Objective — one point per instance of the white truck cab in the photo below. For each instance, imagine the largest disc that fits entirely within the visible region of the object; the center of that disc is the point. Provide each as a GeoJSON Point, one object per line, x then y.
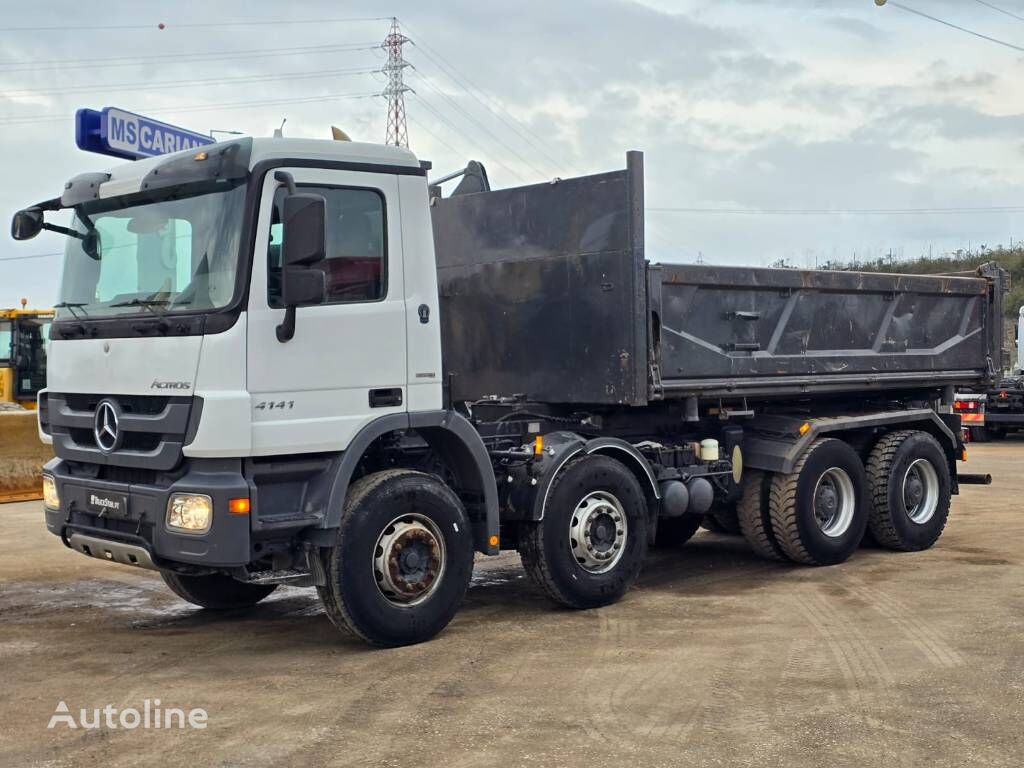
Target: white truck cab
{"type": "Point", "coordinates": [176, 403]}
{"type": "Point", "coordinates": [360, 354]}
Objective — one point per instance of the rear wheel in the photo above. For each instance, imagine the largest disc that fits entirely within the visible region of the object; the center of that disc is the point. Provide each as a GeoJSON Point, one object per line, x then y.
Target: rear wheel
{"type": "Point", "coordinates": [755, 516]}
{"type": "Point", "coordinates": [403, 559]}
{"type": "Point", "coordinates": [216, 592]}
{"type": "Point", "coordinates": [818, 512]}
{"type": "Point", "coordinates": [588, 549]}
{"type": "Point", "coordinates": [909, 480]}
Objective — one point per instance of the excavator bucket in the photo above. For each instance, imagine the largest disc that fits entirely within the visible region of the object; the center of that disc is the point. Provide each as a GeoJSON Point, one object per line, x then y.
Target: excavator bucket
{"type": "Point", "coordinates": [22, 455]}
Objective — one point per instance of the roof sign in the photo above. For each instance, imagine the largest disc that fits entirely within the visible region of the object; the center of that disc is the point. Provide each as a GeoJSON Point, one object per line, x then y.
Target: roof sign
{"type": "Point", "coordinates": [113, 131]}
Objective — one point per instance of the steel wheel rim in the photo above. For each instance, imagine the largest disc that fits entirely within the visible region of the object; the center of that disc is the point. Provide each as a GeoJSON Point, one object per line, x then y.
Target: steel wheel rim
{"type": "Point", "coordinates": [921, 491]}
{"type": "Point", "coordinates": [598, 531]}
{"type": "Point", "coordinates": [409, 560]}
{"type": "Point", "coordinates": [835, 502]}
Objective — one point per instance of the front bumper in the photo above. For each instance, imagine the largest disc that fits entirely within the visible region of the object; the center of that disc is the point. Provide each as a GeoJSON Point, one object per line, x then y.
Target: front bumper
{"type": "Point", "coordinates": [997, 416]}
{"type": "Point", "coordinates": [225, 545]}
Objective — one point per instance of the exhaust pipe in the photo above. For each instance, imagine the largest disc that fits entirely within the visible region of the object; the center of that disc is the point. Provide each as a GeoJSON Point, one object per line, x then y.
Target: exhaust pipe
{"type": "Point", "coordinates": [974, 479]}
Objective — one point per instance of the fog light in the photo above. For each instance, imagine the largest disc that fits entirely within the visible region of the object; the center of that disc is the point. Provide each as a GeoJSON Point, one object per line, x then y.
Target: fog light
{"type": "Point", "coordinates": [190, 512]}
{"type": "Point", "coordinates": [51, 499]}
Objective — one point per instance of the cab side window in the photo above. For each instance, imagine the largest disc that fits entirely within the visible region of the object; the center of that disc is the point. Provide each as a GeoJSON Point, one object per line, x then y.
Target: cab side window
{"type": "Point", "coordinates": [6, 341]}
{"type": "Point", "coordinates": [356, 257]}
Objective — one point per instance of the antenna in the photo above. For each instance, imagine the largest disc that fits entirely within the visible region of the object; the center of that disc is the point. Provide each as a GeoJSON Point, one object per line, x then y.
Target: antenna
{"type": "Point", "coordinates": [397, 133]}
{"type": "Point", "coordinates": [279, 132]}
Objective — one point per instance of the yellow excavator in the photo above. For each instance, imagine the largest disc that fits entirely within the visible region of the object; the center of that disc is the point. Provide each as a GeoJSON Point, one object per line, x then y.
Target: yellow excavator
{"type": "Point", "coordinates": [24, 339]}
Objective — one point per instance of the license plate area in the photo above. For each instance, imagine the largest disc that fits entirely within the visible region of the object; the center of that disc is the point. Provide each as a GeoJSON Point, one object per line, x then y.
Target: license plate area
{"type": "Point", "coordinates": [113, 506]}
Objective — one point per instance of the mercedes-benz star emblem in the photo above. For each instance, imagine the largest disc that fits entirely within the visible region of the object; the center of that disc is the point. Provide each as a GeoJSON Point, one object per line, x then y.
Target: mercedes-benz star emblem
{"type": "Point", "coordinates": [105, 428]}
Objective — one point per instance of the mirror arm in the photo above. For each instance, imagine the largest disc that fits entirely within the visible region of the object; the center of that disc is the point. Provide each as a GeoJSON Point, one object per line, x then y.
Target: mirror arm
{"type": "Point", "coordinates": [287, 179]}
{"type": "Point", "coordinates": [286, 330]}
{"type": "Point", "coordinates": [62, 230]}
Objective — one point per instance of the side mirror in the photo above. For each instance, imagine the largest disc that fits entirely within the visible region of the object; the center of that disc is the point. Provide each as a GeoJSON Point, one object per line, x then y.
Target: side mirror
{"type": "Point", "coordinates": [27, 224]}
{"type": "Point", "coordinates": [305, 229]}
{"type": "Point", "coordinates": [303, 286]}
{"type": "Point", "coordinates": [304, 225]}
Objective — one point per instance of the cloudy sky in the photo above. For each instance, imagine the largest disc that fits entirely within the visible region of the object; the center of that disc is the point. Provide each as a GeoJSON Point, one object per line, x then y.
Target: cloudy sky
{"type": "Point", "coordinates": [740, 106]}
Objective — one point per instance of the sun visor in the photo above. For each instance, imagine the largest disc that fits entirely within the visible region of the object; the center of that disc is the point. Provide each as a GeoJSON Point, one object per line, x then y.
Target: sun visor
{"type": "Point", "coordinates": [82, 189]}
{"type": "Point", "coordinates": [223, 161]}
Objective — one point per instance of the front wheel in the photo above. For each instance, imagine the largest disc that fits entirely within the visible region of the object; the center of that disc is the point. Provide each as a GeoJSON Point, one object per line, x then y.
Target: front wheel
{"type": "Point", "coordinates": [588, 549]}
{"type": "Point", "coordinates": [402, 560]}
{"type": "Point", "coordinates": [723, 519]}
{"type": "Point", "coordinates": [216, 592]}
{"type": "Point", "coordinates": [676, 531]}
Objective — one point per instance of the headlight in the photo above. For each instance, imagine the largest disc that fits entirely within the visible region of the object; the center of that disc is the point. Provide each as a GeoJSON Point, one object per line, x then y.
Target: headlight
{"type": "Point", "coordinates": [190, 512]}
{"type": "Point", "coordinates": [51, 499]}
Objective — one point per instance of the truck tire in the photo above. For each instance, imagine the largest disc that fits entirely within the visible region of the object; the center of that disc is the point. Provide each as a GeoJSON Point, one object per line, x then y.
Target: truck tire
{"type": "Point", "coordinates": [755, 518]}
{"type": "Point", "coordinates": [979, 434]}
{"type": "Point", "coordinates": [676, 531]}
{"type": "Point", "coordinates": [402, 560]}
{"type": "Point", "coordinates": [216, 592]}
{"type": "Point", "coordinates": [723, 519]}
{"type": "Point", "coordinates": [588, 549]}
{"type": "Point", "coordinates": [819, 511]}
{"type": "Point", "coordinates": [908, 477]}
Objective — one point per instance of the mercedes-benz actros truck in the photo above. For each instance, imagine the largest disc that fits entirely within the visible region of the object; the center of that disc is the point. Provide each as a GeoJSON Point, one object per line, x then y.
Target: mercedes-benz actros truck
{"type": "Point", "coordinates": [282, 361]}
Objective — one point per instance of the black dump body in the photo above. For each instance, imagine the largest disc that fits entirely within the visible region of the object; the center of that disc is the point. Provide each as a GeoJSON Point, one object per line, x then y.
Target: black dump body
{"type": "Point", "coordinates": [545, 293]}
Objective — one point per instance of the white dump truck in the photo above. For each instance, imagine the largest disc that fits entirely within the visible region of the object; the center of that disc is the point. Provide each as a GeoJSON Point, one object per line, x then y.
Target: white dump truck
{"type": "Point", "coordinates": [283, 361]}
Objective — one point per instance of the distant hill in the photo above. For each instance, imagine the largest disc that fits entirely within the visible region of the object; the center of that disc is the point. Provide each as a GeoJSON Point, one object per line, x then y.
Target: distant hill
{"type": "Point", "coordinates": [1011, 259]}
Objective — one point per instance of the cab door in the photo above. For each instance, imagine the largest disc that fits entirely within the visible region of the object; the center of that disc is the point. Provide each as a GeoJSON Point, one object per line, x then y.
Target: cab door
{"type": "Point", "coordinates": [346, 364]}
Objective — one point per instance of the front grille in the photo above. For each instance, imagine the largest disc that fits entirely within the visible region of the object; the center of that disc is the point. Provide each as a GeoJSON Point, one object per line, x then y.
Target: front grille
{"type": "Point", "coordinates": [152, 429]}
{"type": "Point", "coordinates": [133, 441]}
{"type": "Point", "coordinates": [129, 475]}
{"type": "Point", "coordinates": [145, 405]}
{"type": "Point", "coordinates": [89, 520]}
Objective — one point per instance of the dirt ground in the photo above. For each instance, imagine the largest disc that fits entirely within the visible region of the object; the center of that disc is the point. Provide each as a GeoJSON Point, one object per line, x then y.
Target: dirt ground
{"type": "Point", "coordinates": [717, 658]}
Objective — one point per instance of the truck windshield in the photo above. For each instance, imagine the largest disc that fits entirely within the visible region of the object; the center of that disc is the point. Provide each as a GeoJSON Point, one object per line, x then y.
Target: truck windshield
{"type": "Point", "coordinates": [177, 253]}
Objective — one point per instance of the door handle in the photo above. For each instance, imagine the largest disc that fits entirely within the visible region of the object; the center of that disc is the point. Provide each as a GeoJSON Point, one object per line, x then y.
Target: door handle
{"type": "Point", "coordinates": [385, 398]}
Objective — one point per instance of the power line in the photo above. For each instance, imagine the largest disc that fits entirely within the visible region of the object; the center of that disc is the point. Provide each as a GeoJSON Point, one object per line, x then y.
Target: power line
{"type": "Point", "coordinates": [523, 131]}
{"type": "Point", "coordinates": [28, 119]}
{"type": "Point", "coordinates": [1000, 10]}
{"type": "Point", "coordinates": [397, 132]}
{"type": "Point", "coordinates": [950, 24]}
{"type": "Point", "coordinates": [125, 61]}
{"type": "Point", "coordinates": [146, 86]}
{"type": "Point", "coordinates": [841, 211]}
{"type": "Point", "coordinates": [33, 256]}
{"type": "Point", "coordinates": [434, 136]}
{"type": "Point", "coordinates": [458, 108]}
{"type": "Point", "coordinates": [444, 118]}
{"type": "Point", "coordinates": [191, 25]}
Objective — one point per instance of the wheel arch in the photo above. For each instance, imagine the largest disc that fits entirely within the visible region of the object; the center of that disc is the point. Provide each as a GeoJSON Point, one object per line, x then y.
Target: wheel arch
{"type": "Point", "coordinates": [790, 438]}
{"type": "Point", "coordinates": [613, 448]}
{"type": "Point", "coordinates": [455, 440]}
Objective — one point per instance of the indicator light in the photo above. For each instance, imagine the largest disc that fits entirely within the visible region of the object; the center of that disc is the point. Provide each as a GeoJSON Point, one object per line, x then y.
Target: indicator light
{"type": "Point", "coordinates": [239, 506]}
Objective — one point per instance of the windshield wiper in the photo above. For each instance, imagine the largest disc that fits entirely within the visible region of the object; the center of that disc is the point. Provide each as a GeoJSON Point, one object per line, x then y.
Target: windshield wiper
{"type": "Point", "coordinates": [153, 305]}
{"type": "Point", "coordinates": [156, 306]}
{"type": "Point", "coordinates": [71, 306]}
